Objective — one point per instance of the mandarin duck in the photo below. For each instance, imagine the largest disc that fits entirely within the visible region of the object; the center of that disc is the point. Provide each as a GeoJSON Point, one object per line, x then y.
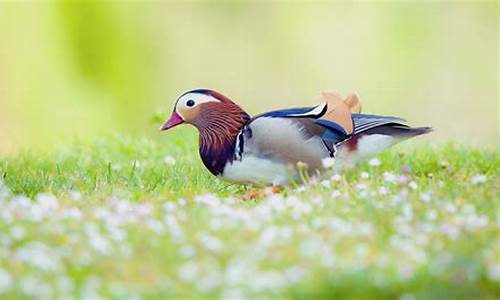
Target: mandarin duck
{"type": "Point", "coordinates": [266, 149]}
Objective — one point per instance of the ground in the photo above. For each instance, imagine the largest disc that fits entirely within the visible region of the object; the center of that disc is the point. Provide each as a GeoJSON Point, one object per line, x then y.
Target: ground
{"type": "Point", "coordinates": [141, 218]}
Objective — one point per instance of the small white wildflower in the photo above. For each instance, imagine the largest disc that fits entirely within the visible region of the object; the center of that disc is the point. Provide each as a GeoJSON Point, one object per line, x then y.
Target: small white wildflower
{"type": "Point", "coordinates": [40, 256]}
{"type": "Point", "coordinates": [431, 215]}
{"type": "Point", "coordinates": [389, 177]}
{"type": "Point", "coordinates": [300, 189]}
{"type": "Point", "coordinates": [169, 160]}
{"type": "Point", "coordinates": [208, 199]}
{"type": "Point", "coordinates": [413, 185]}
{"type": "Point", "coordinates": [210, 243]}
{"type": "Point", "coordinates": [187, 252]}
{"type": "Point", "coordinates": [170, 207]}
{"type": "Point", "coordinates": [478, 179]}
{"type": "Point", "coordinates": [383, 191]}
{"type": "Point", "coordinates": [374, 162]}
{"type": "Point", "coordinates": [325, 183]}
{"type": "Point", "coordinates": [75, 195]}
{"type": "Point", "coordinates": [17, 233]}
{"type": "Point", "coordinates": [328, 162]}
{"type": "Point", "coordinates": [361, 186]}
{"type": "Point", "coordinates": [101, 245]}
{"type": "Point", "coordinates": [494, 272]}
{"type": "Point", "coordinates": [425, 197]}
{"type": "Point", "coordinates": [156, 226]}
{"type": "Point", "coordinates": [65, 284]}
{"type": "Point", "coordinates": [182, 202]}
{"type": "Point", "coordinates": [318, 201]}
{"type": "Point", "coordinates": [189, 272]}
{"type": "Point", "coordinates": [402, 179]}
{"type": "Point", "coordinates": [450, 230]}
{"type": "Point", "coordinates": [450, 207]}
{"type": "Point", "coordinates": [233, 294]}
{"type": "Point", "coordinates": [336, 177]}
{"type": "Point", "coordinates": [407, 297]}
{"type": "Point", "coordinates": [47, 202]}
{"type": "Point", "coordinates": [336, 194]}
{"type": "Point", "coordinates": [407, 212]}
{"type": "Point", "coordinates": [4, 191]}
{"type": "Point", "coordinates": [365, 175]}
{"type": "Point", "coordinates": [5, 281]}
{"type": "Point", "coordinates": [35, 287]}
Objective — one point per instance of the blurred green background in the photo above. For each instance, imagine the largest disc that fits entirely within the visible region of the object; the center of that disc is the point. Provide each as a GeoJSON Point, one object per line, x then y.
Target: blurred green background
{"type": "Point", "coordinates": [87, 69]}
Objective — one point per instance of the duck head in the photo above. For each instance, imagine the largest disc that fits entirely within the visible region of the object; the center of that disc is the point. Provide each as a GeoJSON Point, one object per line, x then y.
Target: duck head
{"type": "Point", "coordinates": [204, 108]}
{"type": "Point", "coordinates": [218, 120]}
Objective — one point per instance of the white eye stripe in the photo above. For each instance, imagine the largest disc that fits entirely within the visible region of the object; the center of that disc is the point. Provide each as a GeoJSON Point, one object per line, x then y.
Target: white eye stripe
{"type": "Point", "coordinates": [198, 98]}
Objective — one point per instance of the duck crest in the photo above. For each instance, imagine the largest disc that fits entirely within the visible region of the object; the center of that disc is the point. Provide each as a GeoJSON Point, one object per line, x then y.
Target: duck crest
{"type": "Point", "coordinates": [219, 127]}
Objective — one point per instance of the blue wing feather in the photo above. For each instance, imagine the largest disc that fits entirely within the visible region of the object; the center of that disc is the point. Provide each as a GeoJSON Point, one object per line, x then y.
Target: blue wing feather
{"type": "Point", "coordinates": [286, 113]}
{"type": "Point", "coordinates": [334, 132]}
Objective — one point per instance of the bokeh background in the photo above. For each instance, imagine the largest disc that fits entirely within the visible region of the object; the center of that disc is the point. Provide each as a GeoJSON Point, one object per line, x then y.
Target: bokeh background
{"type": "Point", "coordinates": [88, 69]}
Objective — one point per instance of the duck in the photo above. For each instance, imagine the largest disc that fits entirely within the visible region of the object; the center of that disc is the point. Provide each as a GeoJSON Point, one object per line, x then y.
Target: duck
{"type": "Point", "coordinates": [274, 148]}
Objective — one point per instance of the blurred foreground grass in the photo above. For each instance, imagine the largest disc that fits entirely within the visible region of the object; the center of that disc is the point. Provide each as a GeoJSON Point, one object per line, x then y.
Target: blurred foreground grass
{"type": "Point", "coordinates": [118, 218]}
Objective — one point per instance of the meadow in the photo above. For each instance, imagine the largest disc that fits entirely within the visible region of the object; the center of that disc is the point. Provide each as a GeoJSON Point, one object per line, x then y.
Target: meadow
{"type": "Point", "coordinates": [95, 203]}
{"type": "Point", "coordinates": [132, 218]}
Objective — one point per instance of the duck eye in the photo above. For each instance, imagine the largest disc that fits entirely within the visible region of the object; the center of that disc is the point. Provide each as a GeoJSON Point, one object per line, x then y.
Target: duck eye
{"type": "Point", "coordinates": [190, 103]}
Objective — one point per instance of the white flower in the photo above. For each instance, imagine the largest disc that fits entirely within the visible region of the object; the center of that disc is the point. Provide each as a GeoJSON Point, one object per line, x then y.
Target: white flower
{"type": "Point", "coordinates": [39, 256]}
{"type": "Point", "coordinates": [383, 191]}
{"type": "Point", "coordinates": [5, 281]}
{"type": "Point", "coordinates": [374, 162]}
{"type": "Point", "coordinates": [100, 244]}
{"type": "Point", "coordinates": [187, 252]}
{"type": "Point", "coordinates": [169, 160]}
{"type": "Point", "coordinates": [425, 197]}
{"type": "Point", "coordinates": [361, 186]}
{"type": "Point", "coordinates": [156, 226]}
{"type": "Point", "coordinates": [336, 194]}
{"type": "Point", "coordinates": [75, 195]}
{"type": "Point", "coordinates": [328, 162]}
{"type": "Point", "coordinates": [233, 294]}
{"type": "Point", "coordinates": [325, 183]}
{"type": "Point", "coordinates": [494, 272]}
{"type": "Point", "coordinates": [34, 287]}
{"type": "Point", "coordinates": [431, 215]}
{"type": "Point", "coordinates": [389, 177]}
{"type": "Point", "coordinates": [300, 189]}
{"type": "Point", "coordinates": [336, 177]}
{"type": "Point", "coordinates": [170, 207]}
{"type": "Point", "coordinates": [17, 232]}
{"type": "Point", "coordinates": [478, 179]}
{"type": "Point", "coordinates": [208, 199]}
{"type": "Point", "coordinates": [407, 297]}
{"type": "Point", "coordinates": [4, 191]}
{"type": "Point", "coordinates": [365, 175]}
{"type": "Point", "coordinates": [413, 185]}
{"type": "Point", "coordinates": [65, 284]}
{"type": "Point", "coordinates": [189, 272]}
{"type": "Point", "coordinates": [210, 242]}
{"type": "Point", "coordinates": [47, 202]}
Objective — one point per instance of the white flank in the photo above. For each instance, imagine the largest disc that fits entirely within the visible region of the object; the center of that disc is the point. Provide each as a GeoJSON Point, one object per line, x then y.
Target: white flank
{"type": "Point", "coordinates": [277, 144]}
{"type": "Point", "coordinates": [252, 169]}
{"type": "Point", "coordinates": [284, 140]}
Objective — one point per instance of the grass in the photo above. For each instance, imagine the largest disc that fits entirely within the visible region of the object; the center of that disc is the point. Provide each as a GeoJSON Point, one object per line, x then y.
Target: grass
{"type": "Point", "coordinates": [114, 218]}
